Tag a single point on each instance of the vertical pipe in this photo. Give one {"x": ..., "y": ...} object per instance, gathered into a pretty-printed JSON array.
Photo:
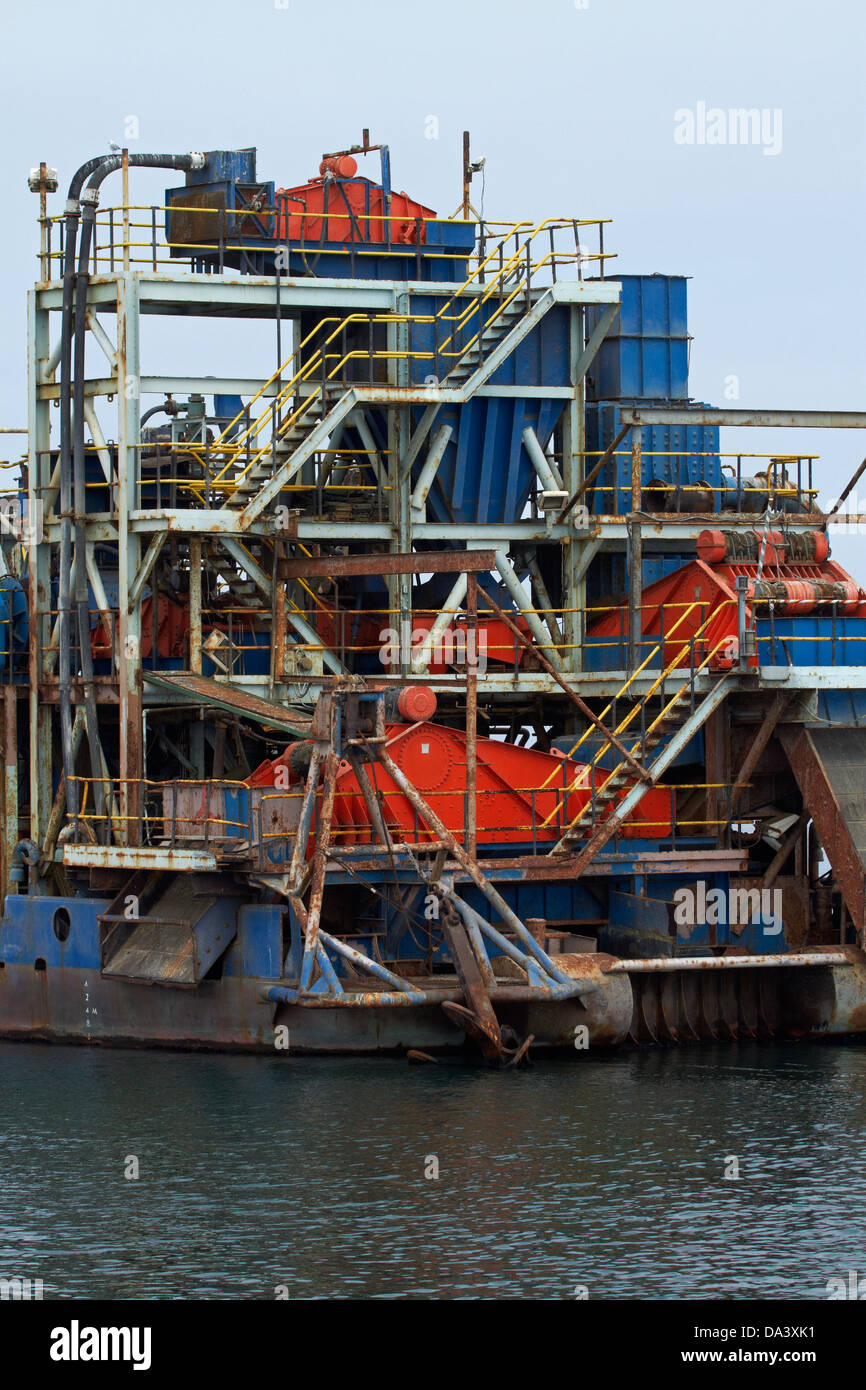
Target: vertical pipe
[
  {"x": 471, "y": 832},
  {"x": 451, "y": 605},
  {"x": 39, "y": 765},
  {"x": 195, "y": 604},
  {"x": 279, "y": 631},
  {"x": 124, "y": 155},
  {"x": 44, "y": 269},
  {"x": 635, "y": 555},
  {"x": 10, "y": 807}
]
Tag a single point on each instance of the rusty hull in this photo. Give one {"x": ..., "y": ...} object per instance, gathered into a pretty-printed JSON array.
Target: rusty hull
[{"x": 627, "y": 1007}]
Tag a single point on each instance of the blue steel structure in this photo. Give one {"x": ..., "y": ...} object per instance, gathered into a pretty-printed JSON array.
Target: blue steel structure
[{"x": 464, "y": 430}]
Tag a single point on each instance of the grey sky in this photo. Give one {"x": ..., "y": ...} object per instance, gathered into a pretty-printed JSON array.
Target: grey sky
[{"x": 574, "y": 109}]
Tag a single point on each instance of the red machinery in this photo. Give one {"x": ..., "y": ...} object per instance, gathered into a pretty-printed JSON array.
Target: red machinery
[
  {"x": 518, "y": 789},
  {"x": 792, "y": 571},
  {"x": 172, "y": 630},
  {"x": 360, "y": 633},
  {"x": 338, "y": 206}
]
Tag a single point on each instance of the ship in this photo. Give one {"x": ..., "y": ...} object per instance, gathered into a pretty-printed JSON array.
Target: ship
[{"x": 441, "y": 688}]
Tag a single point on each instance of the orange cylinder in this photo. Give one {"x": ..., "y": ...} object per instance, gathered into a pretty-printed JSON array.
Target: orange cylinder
[{"x": 343, "y": 165}]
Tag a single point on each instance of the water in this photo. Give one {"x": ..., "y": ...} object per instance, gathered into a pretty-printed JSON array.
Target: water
[{"x": 308, "y": 1176}]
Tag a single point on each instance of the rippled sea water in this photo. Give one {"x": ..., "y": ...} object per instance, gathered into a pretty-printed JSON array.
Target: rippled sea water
[{"x": 258, "y": 1174}]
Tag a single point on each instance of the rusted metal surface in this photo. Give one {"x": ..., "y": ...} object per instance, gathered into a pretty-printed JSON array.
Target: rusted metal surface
[
  {"x": 471, "y": 817},
  {"x": 10, "y": 783},
  {"x": 783, "y": 853},
  {"x": 136, "y": 857},
  {"x": 717, "y": 746},
  {"x": 195, "y": 604},
  {"x": 317, "y": 876},
  {"x": 830, "y": 768},
  {"x": 476, "y": 1015},
  {"x": 223, "y": 695},
  {"x": 427, "y": 562},
  {"x": 756, "y": 748},
  {"x": 661, "y": 965}
]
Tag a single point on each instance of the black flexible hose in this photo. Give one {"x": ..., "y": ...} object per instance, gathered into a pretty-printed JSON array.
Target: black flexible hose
[
  {"x": 89, "y": 198},
  {"x": 73, "y": 211}
]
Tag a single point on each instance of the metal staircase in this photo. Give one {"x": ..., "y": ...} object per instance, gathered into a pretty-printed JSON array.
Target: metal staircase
[
  {"x": 680, "y": 715},
  {"x": 317, "y": 400},
  {"x": 675, "y": 714}
]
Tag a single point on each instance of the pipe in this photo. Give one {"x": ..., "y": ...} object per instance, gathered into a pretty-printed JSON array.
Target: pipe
[
  {"x": 450, "y": 607},
  {"x": 351, "y": 953},
  {"x": 549, "y": 479},
  {"x": 524, "y": 606},
  {"x": 73, "y": 213},
  {"x": 663, "y": 963},
  {"x": 430, "y": 468},
  {"x": 317, "y": 876},
  {"x": 72, "y": 419}
]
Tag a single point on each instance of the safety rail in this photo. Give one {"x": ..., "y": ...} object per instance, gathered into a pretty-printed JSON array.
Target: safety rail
[
  {"x": 509, "y": 284},
  {"x": 132, "y": 235},
  {"x": 237, "y": 820},
  {"x": 639, "y": 749},
  {"x": 786, "y": 479},
  {"x": 173, "y": 474},
  {"x": 354, "y": 636}
]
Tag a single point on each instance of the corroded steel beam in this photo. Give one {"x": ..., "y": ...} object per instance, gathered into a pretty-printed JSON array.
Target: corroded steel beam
[
  {"x": 829, "y": 767},
  {"x": 430, "y": 562},
  {"x": 762, "y": 737},
  {"x": 708, "y": 415}
]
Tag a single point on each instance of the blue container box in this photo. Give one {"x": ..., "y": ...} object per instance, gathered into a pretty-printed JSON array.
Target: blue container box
[
  {"x": 226, "y": 166},
  {"x": 649, "y": 367},
  {"x": 646, "y": 350}
]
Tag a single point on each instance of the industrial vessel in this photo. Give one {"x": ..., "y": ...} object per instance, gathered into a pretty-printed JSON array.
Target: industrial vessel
[{"x": 440, "y": 685}]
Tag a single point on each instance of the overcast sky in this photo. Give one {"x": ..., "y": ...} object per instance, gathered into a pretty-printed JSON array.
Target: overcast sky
[{"x": 579, "y": 109}]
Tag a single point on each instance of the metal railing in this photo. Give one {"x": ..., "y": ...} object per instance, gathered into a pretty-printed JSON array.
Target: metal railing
[{"x": 236, "y": 820}]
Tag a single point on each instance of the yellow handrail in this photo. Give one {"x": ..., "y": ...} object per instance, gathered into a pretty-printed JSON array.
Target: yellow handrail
[
  {"x": 580, "y": 780},
  {"x": 514, "y": 264}
]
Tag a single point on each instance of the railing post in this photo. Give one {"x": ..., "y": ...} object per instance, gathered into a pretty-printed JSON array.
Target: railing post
[
  {"x": 471, "y": 657},
  {"x": 742, "y": 586}
]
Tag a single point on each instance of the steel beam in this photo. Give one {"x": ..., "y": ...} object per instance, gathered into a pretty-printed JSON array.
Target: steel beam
[
  {"x": 762, "y": 737},
  {"x": 138, "y": 857},
  {"x": 708, "y": 415}
]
